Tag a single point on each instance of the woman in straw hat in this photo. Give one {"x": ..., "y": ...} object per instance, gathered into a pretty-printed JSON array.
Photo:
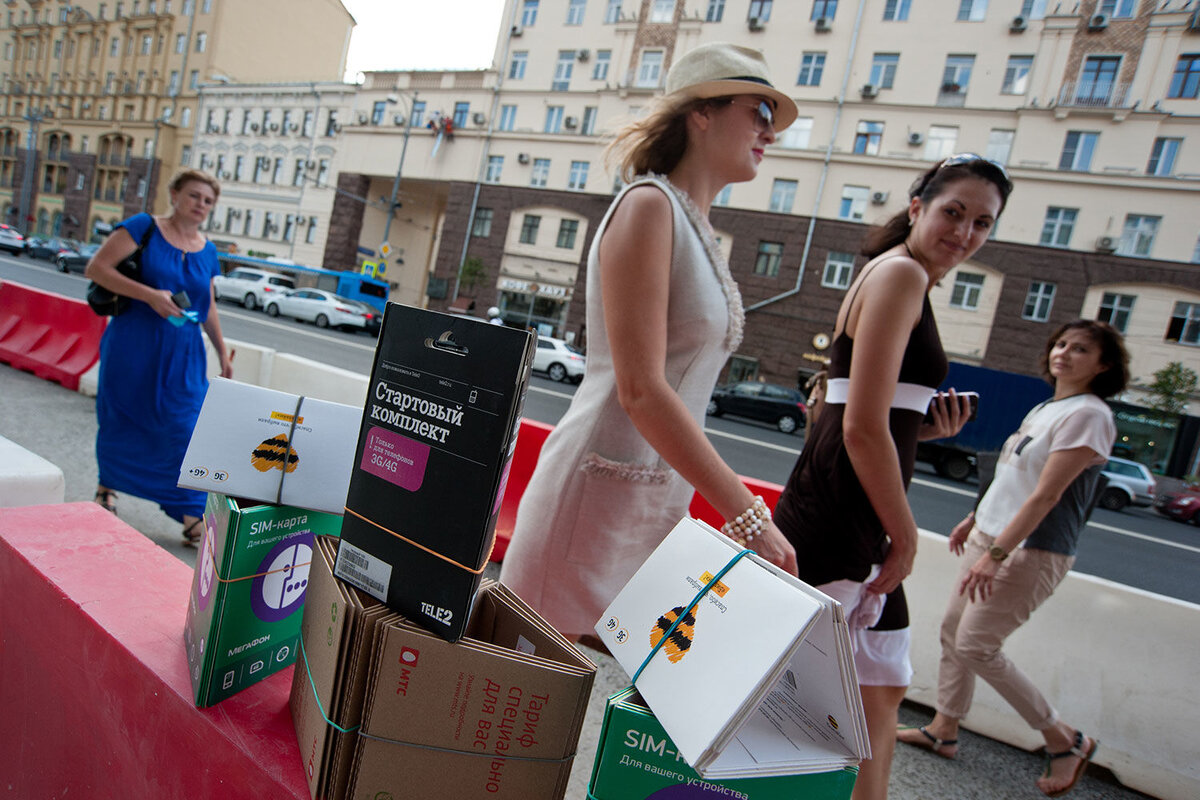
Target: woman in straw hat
[{"x": 663, "y": 316}]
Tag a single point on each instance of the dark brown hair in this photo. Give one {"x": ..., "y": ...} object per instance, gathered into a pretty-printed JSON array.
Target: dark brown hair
[
  {"x": 932, "y": 183},
  {"x": 189, "y": 175},
  {"x": 1113, "y": 355}
]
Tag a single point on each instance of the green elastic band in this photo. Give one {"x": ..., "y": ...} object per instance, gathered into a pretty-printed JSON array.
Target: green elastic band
[
  {"x": 695, "y": 600},
  {"x": 320, "y": 707}
]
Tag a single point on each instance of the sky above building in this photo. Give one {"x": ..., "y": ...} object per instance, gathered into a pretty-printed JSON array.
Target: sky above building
[{"x": 418, "y": 34}]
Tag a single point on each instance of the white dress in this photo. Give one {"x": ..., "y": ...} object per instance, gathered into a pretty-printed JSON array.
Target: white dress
[{"x": 601, "y": 498}]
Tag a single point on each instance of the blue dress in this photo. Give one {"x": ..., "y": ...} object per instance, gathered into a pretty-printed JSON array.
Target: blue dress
[{"x": 153, "y": 379}]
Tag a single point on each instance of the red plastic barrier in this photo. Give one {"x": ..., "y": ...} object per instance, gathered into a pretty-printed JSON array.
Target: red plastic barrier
[
  {"x": 50, "y": 335},
  {"x": 530, "y": 439},
  {"x": 93, "y": 675}
]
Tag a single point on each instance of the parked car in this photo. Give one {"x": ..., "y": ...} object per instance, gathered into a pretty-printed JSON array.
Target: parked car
[
  {"x": 75, "y": 259},
  {"x": 253, "y": 288},
  {"x": 12, "y": 240},
  {"x": 559, "y": 360},
  {"x": 1182, "y": 506},
  {"x": 1128, "y": 483},
  {"x": 325, "y": 309},
  {"x": 48, "y": 247},
  {"x": 766, "y": 402}
]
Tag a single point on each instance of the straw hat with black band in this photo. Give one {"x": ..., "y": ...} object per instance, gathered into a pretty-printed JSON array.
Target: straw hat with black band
[{"x": 721, "y": 69}]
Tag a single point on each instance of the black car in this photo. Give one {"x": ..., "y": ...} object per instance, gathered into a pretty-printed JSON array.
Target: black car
[
  {"x": 766, "y": 402},
  {"x": 75, "y": 259},
  {"x": 49, "y": 247}
]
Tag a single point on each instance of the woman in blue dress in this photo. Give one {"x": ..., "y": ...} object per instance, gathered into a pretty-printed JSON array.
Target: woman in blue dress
[{"x": 152, "y": 360}]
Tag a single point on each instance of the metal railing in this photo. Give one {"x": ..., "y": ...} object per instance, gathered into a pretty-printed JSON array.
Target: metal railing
[{"x": 1094, "y": 94}]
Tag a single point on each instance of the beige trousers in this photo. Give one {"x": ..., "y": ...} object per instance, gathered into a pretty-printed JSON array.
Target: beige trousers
[{"x": 973, "y": 633}]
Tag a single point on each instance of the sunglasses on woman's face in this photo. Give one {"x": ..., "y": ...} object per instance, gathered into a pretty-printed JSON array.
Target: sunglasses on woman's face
[
  {"x": 958, "y": 159},
  {"x": 764, "y": 117}
]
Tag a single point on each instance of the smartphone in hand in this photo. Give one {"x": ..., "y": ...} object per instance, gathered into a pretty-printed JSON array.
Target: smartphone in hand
[{"x": 972, "y": 399}]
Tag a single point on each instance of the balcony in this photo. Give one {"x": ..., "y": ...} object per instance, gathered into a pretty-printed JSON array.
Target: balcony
[
  {"x": 1094, "y": 94},
  {"x": 952, "y": 94}
]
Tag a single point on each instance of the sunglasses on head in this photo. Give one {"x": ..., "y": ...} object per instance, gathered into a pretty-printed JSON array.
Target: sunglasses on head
[
  {"x": 959, "y": 159},
  {"x": 764, "y": 117}
]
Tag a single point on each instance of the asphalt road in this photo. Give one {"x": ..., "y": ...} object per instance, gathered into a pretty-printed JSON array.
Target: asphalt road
[{"x": 1135, "y": 547}]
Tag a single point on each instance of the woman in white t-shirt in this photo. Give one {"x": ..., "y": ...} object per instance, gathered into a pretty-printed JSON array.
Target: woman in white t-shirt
[{"x": 1021, "y": 541}]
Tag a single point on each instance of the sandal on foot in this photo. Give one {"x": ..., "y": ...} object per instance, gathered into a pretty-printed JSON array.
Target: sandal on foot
[
  {"x": 106, "y": 499},
  {"x": 193, "y": 533},
  {"x": 1077, "y": 750},
  {"x": 929, "y": 742}
]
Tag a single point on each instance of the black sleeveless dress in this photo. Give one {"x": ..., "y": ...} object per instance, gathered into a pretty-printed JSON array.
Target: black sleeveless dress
[{"x": 824, "y": 511}]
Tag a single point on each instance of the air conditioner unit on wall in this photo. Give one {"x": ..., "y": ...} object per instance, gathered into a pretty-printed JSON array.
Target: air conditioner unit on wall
[
  {"x": 823, "y": 25},
  {"x": 869, "y": 90},
  {"x": 1106, "y": 244},
  {"x": 916, "y": 137},
  {"x": 362, "y": 119},
  {"x": 1098, "y": 22},
  {"x": 755, "y": 24},
  {"x": 522, "y": 158},
  {"x": 517, "y": 30},
  {"x": 570, "y": 122},
  {"x": 1018, "y": 24},
  {"x": 584, "y": 54},
  {"x": 879, "y": 198},
  {"x": 398, "y": 119},
  {"x": 479, "y": 118}
]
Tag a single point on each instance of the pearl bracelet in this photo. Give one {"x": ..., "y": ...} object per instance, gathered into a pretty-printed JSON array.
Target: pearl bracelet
[{"x": 745, "y": 527}]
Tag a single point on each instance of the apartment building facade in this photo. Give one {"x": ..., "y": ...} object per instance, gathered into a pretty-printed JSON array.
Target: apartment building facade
[{"x": 98, "y": 100}]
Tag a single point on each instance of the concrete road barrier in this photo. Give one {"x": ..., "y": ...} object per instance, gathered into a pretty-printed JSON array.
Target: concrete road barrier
[
  {"x": 27, "y": 479},
  {"x": 53, "y": 336}
]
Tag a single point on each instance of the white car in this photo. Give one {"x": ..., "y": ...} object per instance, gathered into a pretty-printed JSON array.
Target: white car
[
  {"x": 559, "y": 360},
  {"x": 325, "y": 309},
  {"x": 1128, "y": 483},
  {"x": 12, "y": 240},
  {"x": 251, "y": 287}
]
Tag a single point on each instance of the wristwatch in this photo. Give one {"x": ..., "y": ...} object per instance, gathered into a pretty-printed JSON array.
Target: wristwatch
[{"x": 997, "y": 553}]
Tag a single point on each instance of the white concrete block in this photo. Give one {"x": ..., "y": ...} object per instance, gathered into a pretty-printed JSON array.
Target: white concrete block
[
  {"x": 27, "y": 479},
  {"x": 312, "y": 379}
]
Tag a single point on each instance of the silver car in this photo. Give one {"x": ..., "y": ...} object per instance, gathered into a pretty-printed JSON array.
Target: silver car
[
  {"x": 1128, "y": 483},
  {"x": 12, "y": 240},
  {"x": 253, "y": 288}
]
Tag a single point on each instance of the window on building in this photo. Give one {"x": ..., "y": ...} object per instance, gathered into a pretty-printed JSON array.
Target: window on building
[
  {"x": 114, "y": 48},
  {"x": 797, "y": 135},
  {"x": 575, "y": 11},
  {"x": 194, "y": 79},
  {"x": 1186, "y": 80},
  {"x": 854, "y": 202},
  {"x": 768, "y": 259},
  {"x": 612, "y": 12},
  {"x": 495, "y": 165},
  {"x": 968, "y": 286},
  {"x": 588, "y": 126},
  {"x": 896, "y": 10},
  {"x": 1115, "y": 309},
  {"x": 715, "y": 12},
  {"x": 147, "y": 44},
  {"x": 1196, "y": 252},
  {"x": 759, "y": 10},
  {"x": 554, "y": 118},
  {"x": 529, "y": 13},
  {"x": 650, "y": 69},
  {"x": 662, "y": 11},
  {"x": 563, "y": 68},
  {"x": 462, "y": 112},
  {"x": 783, "y": 195},
  {"x": 722, "y": 198},
  {"x": 185, "y": 116},
  {"x": 811, "y": 67},
  {"x": 277, "y": 171},
  {"x": 529, "y": 228},
  {"x": 1033, "y": 9},
  {"x": 239, "y": 168},
  {"x": 577, "y": 178},
  {"x": 1016, "y": 75},
  {"x": 1137, "y": 238},
  {"x": 940, "y": 142},
  {"x": 508, "y": 118},
  {"x": 823, "y": 8},
  {"x": 228, "y": 117},
  {"x": 201, "y": 42},
  {"x": 310, "y": 232},
  {"x": 416, "y": 118},
  {"x": 568, "y": 229},
  {"x": 322, "y": 172},
  {"x": 516, "y": 67},
  {"x": 298, "y": 174},
  {"x": 378, "y": 110},
  {"x": 1058, "y": 226},
  {"x": 868, "y": 137},
  {"x": 1185, "y": 324},
  {"x": 600, "y": 68},
  {"x": 1116, "y": 9},
  {"x": 839, "y": 268},
  {"x": 541, "y": 172},
  {"x": 972, "y": 10},
  {"x": 1077, "y": 151},
  {"x": 999, "y": 146},
  {"x": 883, "y": 70},
  {"x": 180, "y": 42},
  {"x": 956, "y": 77},
  {"x": 482, "y": 225},
  {"x": 1097, "y": 81},
  {"x": 331, "y": 123},
  {"x": 1162, "y": 156},
  {"x": 185, "y": 156},
  {"x": 1038, "y": 301},
  {"x": 173, "y": 84}
]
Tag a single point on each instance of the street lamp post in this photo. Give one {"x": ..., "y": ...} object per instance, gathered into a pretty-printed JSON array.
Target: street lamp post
[{"x": 387, "y": 228}]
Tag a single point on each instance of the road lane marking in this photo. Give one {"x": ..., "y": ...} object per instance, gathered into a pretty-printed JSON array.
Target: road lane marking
[
  {"x": 256, "y": 318},
  {"x": 1135, "y": 535}
]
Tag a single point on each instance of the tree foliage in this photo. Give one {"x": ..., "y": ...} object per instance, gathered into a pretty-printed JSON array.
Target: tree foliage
[{"x": 1171, "y": 388}]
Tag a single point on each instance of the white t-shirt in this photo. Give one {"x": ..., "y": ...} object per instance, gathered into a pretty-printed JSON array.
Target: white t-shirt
[{"x": 1082, "y": 420}]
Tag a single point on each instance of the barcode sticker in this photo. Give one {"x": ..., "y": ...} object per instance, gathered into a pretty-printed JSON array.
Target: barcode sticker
[{"x": 361, "y": 569}]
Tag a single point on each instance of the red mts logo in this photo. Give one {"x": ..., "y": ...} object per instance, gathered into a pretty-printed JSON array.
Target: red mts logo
[{"x": 408, "y": 659}]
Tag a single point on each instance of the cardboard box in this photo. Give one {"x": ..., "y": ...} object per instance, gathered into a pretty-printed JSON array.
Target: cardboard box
[
  {"x": 635, "y": 759},
  {"x": 497, "y": 714},
  {"x": 437, "y": 439},
  {"x": 272, "y": 446},
  {"x": 248, "y": 592}
]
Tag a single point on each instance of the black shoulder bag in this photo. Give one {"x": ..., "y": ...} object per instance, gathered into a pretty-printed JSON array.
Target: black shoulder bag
[{"x": 105, "y": 302}]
